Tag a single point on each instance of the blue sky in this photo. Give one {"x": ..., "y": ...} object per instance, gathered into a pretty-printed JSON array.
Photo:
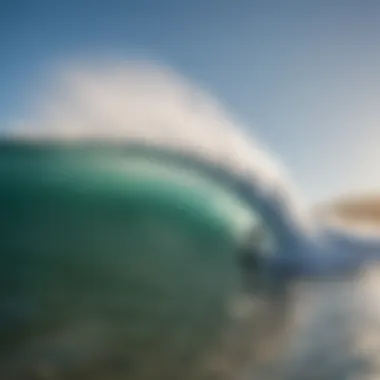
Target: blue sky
[{"x": 303, "y": 75}]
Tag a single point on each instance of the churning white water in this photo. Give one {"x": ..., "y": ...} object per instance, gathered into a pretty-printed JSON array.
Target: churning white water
[{"x": 335, "y": 330}]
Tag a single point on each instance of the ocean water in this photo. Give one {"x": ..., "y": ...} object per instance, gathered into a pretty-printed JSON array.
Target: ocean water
[
  {"x": 333, "y": 330},
  {"x": 333, "y": 334}
]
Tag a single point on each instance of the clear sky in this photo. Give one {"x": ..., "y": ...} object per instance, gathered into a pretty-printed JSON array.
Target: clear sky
[{"x": 303, "y": 74}]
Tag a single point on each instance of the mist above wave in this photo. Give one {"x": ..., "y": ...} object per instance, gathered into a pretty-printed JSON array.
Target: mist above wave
[{"x": 115, "y": 100}]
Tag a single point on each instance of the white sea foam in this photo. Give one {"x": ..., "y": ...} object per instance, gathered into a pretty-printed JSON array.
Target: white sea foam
[
  {"x": 116, "y": 100},
  {"x": 136, "y": 100}
]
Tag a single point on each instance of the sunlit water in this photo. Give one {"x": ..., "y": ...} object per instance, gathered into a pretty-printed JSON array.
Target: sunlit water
[{"x": 334, "y": 332}]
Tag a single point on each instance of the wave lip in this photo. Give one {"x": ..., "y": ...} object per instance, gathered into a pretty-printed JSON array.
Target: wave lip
[{"x": 149, "y": 104}]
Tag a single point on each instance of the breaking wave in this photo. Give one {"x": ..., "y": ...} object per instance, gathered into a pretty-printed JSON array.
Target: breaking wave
[{"x": 149, "y": 103}]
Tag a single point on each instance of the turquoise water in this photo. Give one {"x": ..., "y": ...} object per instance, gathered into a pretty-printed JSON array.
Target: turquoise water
[
  {"x": 130, "y": 269},
  {"x": 105, "y": 262}
]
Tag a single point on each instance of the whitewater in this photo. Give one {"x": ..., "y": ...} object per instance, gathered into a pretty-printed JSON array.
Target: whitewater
[{"x": 334, "y": 332}]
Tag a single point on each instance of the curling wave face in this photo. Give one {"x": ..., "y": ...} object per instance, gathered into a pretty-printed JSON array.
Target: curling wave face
[
  {"x": 212, "y": 324},
  {"x": 186, "y": 308},
  {"x": 146, "y": 103}
]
